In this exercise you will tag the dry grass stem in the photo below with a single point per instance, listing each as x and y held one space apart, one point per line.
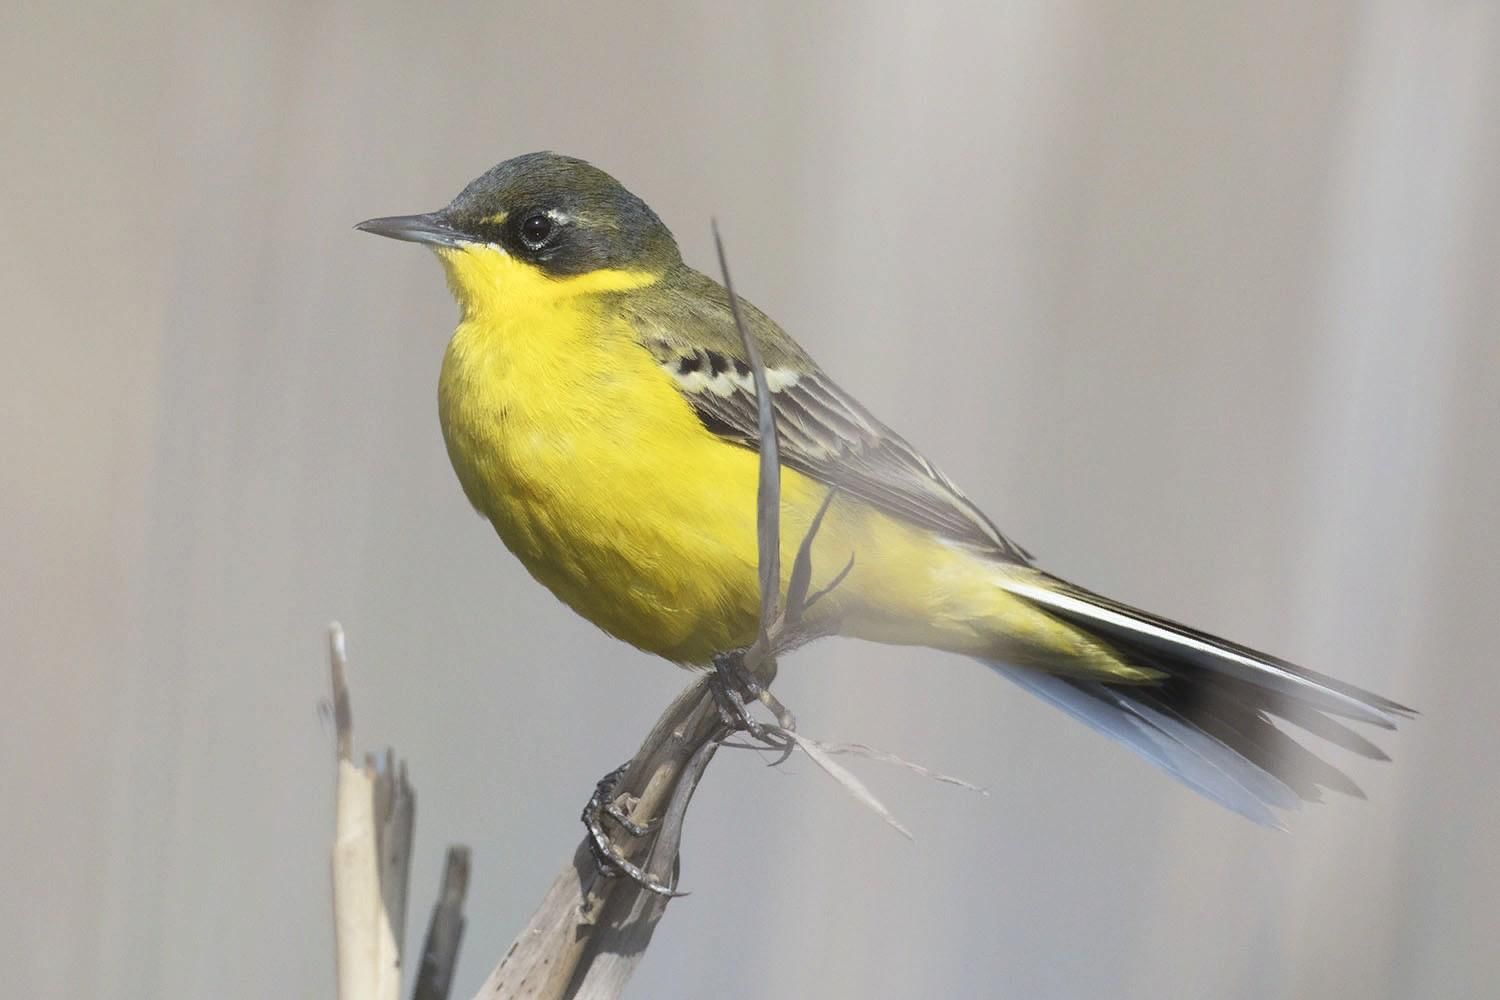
376 814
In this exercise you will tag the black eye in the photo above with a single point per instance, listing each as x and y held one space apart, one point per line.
535 230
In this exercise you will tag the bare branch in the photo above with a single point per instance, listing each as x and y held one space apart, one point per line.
376 814
366 939
343 719
445 930
396 814
590 931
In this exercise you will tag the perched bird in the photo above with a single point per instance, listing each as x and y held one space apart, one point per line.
599 410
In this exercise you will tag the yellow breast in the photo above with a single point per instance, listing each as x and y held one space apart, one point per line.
578 446
571 439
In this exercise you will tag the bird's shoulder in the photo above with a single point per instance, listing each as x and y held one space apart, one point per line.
686 323
688 311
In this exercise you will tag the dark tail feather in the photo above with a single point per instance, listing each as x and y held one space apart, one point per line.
1209 722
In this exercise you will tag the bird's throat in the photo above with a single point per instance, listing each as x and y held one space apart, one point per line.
489 283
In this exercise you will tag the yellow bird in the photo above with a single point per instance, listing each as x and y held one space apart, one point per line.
599 410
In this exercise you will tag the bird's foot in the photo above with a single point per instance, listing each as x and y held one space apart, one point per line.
734 688
609 859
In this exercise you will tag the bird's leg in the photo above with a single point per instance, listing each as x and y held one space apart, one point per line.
608 858
730 685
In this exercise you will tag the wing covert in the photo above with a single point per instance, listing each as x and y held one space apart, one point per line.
825 433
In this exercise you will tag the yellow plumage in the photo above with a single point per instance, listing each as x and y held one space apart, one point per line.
599 412
597 474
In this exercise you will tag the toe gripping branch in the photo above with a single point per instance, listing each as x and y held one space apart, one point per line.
609 859
734 688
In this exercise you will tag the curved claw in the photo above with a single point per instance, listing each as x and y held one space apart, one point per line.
609 859
786 753
611 863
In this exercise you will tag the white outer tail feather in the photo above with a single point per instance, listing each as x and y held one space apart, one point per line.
1258 672
1196 751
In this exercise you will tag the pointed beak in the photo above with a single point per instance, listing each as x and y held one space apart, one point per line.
430 228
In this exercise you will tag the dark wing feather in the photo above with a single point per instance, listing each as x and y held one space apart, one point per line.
825 433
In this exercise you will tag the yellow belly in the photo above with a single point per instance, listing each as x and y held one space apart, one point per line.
596 473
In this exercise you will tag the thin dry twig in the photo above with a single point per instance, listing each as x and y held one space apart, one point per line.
445 930
768 490
886 757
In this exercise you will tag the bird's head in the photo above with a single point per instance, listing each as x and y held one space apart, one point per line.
540 226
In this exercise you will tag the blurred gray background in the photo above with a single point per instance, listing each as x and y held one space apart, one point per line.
1198 300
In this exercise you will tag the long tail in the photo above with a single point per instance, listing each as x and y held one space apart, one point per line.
1208 723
